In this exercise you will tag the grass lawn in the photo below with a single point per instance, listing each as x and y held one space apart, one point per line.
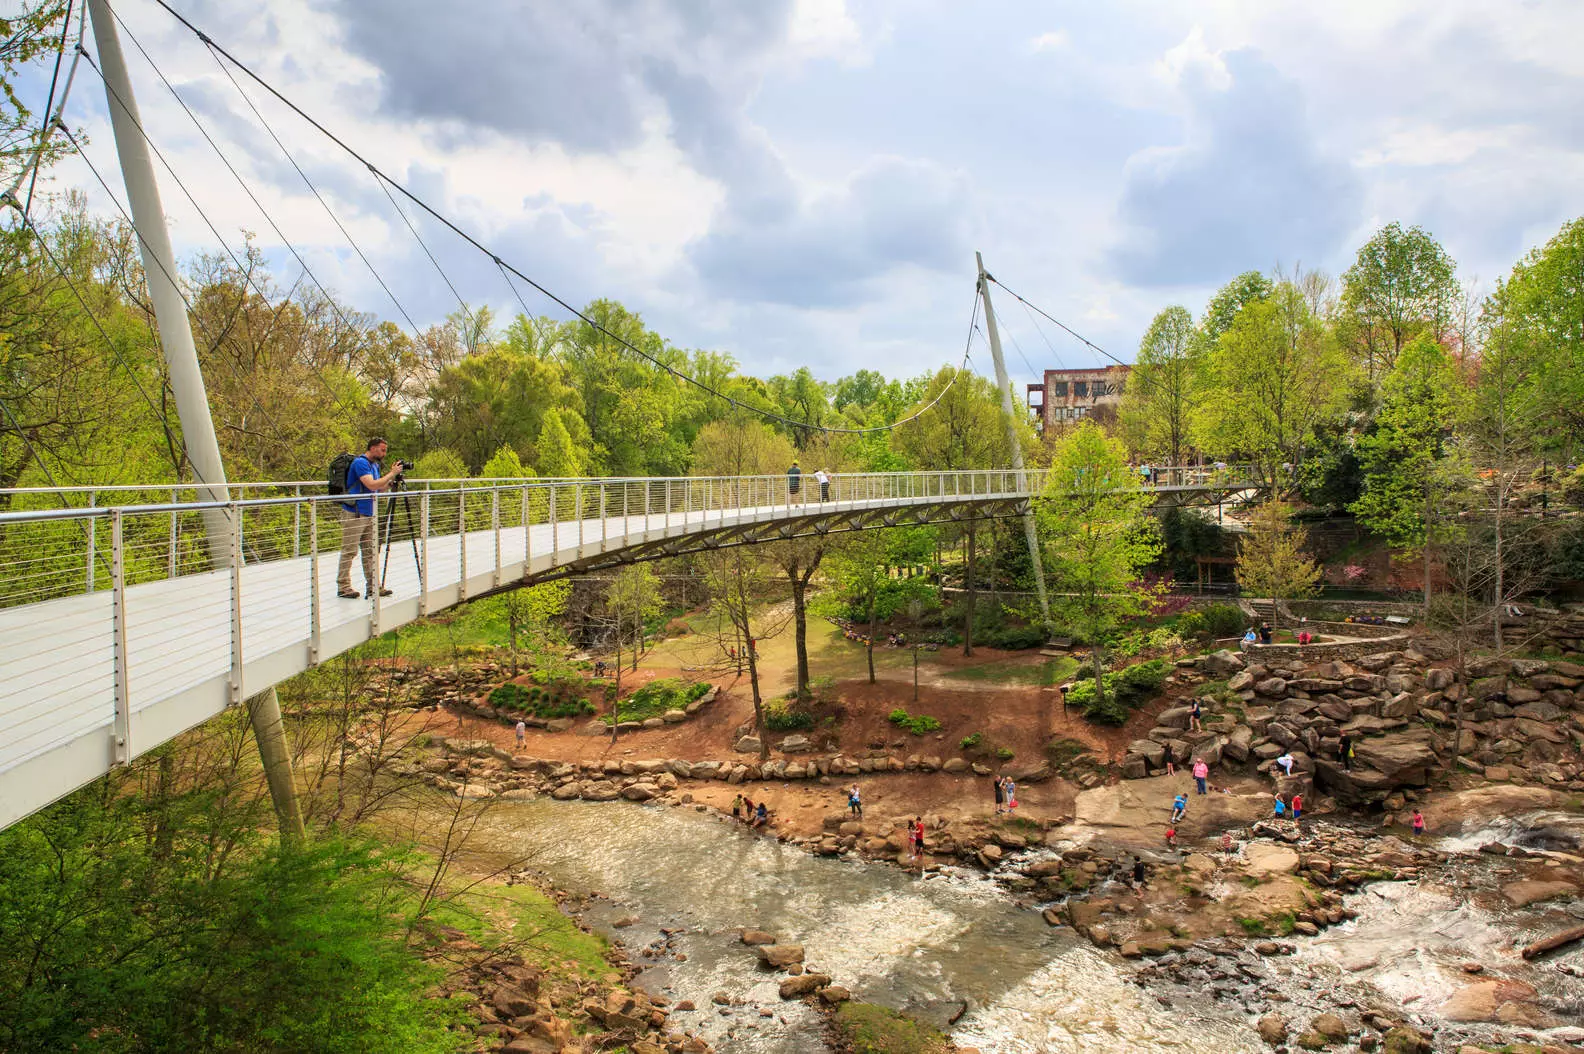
1047 674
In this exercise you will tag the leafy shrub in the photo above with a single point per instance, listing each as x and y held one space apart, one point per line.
971 741
1012 638
656 697
1004 753
1192 624
782 716
1124 690
537 702
1224 620
1165 639
918 724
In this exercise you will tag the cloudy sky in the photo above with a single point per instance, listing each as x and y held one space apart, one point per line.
804 182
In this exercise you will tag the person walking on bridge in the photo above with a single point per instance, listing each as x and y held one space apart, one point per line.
794 482
823 478
358 533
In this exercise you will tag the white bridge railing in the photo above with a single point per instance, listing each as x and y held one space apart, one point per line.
58 541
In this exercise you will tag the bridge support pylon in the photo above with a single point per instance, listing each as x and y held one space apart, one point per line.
186 378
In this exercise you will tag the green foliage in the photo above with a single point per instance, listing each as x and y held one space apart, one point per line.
441 464
869 1029
1125 689
656 697
919 724
1271 561
505 464
1004 753
1163 388
138 925
1402 285
555 453
1223 620
783 715
1272 380
1192 623
561 701
1420 398
971 741
1011 638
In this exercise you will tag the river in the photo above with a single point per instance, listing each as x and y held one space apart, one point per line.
924 945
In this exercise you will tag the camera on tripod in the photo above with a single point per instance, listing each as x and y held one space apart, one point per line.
399 480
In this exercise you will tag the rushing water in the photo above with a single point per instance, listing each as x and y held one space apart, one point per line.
925 945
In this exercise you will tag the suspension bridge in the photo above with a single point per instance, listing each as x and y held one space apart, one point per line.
118 630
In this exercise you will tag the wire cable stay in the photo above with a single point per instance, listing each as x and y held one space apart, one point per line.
495 257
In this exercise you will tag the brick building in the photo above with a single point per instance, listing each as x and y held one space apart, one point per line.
1071 395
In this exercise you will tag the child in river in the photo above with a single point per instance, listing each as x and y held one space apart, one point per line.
737 804
1418 823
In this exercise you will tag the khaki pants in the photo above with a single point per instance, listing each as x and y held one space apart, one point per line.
357 535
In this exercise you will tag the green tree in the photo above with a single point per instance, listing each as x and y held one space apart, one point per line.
1163 387
494 398
440 464
863 572
1537 317
1097 536
1402 284
29 34
557 455
1272 380
505 464
1247 288
1419 401
529 613
1271 562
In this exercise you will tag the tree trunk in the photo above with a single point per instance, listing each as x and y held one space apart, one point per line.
1099 675
615 699
1427 554
870 647
800 627
1496 621
759 721
968 591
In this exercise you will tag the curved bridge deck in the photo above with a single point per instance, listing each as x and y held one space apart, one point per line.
124 627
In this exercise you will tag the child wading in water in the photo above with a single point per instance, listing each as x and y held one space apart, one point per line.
737 805
916 833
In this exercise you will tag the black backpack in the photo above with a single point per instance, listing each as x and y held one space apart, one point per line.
336 483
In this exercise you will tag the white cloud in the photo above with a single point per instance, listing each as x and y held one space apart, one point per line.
1055 40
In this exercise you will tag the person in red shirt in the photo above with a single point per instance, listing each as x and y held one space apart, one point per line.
1297 807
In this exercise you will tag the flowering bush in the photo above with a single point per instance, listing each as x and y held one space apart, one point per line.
1354 572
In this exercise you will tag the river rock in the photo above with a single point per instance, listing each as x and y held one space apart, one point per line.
780 956
795 745
747 745
755 938
1265 859
803 984
1272 1029
1482 1000
1399 757
601 790
1154 754
1532 891
1241 681
1274 687
569 791
1176 717
834 994
954 765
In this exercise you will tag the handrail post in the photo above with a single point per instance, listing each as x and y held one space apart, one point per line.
423 552
93 531
121 739
577 511
314 616
648 502
461 544
170 557
495 526
555 527
375 588
604 526
667 520
234 514
297 521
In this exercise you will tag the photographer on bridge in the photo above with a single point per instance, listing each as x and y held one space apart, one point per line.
358 533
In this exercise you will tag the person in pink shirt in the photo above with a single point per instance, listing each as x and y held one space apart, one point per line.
1201 773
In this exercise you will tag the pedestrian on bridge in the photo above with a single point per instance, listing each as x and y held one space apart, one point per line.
823 479
358 531
794 482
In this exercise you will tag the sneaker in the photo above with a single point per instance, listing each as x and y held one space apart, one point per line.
349 594
383 593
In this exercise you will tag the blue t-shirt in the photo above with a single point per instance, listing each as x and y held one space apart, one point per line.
361 466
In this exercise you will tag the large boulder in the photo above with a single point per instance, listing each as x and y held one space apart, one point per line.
1237 745
1402 758
796 745
1241 681
1175 718
1028 772
1153 753
1273 687
803 984
1223 664
747 745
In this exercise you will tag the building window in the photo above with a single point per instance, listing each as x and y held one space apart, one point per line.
1059 389
1081 389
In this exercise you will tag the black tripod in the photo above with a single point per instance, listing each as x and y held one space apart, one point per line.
403 499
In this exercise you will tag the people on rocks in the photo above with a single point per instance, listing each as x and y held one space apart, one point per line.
1169 759
1279 808
1000 795
916 837
855 802
1138 872
1286 763
1171 836
1264 633
1195 712
1011 798
522 733
1345 752
1179 808
1249 640
737 807
761 816
1297 807
1418 823
1201 775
